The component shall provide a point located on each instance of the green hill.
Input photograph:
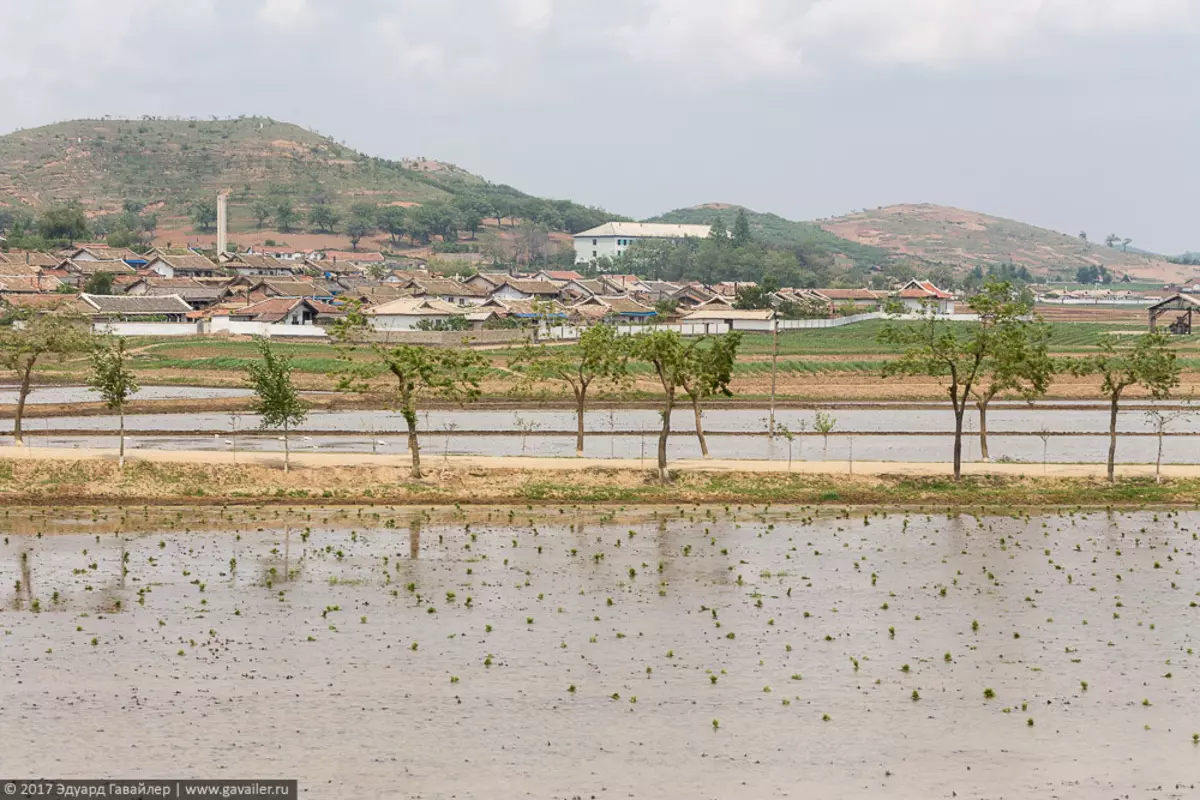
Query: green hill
(169, 164)
(774, 230)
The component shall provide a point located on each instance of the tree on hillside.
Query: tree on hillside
(28, 336)
(112, 378)
(1019, 363)
(957, 352)
(204, 215)
(1083, 237)
(285, 215)
(323, 217)
(450, 374)
(1125, 244)
(392, 220)
(360, 223)
(707, 373)
(261, 210)
(598, 356)
(1149, 363)
(741, 229)
(718, 233)
(275, 398)
(1112, 239)
(66, 222)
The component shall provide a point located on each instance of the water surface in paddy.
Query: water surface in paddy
(378, 653)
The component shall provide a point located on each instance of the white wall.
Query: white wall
(147, 328)
(267, 329)
(402, 322)
(592, 247)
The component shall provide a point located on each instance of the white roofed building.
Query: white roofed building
(612, 238)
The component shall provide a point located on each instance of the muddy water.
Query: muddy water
(379, 654)
(83, 394)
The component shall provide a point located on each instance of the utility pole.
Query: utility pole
(774, 371)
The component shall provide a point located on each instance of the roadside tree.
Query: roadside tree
(114, 380)
(597, 356)
(708, 371)
(420, 372)
(27, 336)
(1149, 363)
(958, 352)
(275, 398)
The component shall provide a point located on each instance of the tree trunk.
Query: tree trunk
(960, 410)
(700, 426)
(1112, 436)
(287, 456)
(983, 447)
(580, 400)
(1158, 459)
(664, 474)
(121, 456)
(22, 394)
(774, 374)
(414, 448)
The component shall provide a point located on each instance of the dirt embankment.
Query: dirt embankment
(65, 478)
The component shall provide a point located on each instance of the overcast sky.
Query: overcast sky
(1072, 114)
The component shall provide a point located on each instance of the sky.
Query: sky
(1070, 114)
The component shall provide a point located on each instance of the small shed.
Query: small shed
(1184, 305)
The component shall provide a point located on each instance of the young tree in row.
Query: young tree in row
(1019, 364)
(275, 398)
(677, 364)
(958, 352)
(1149, 363)
(28, 335)
(666, 352)
(707, 372)
(114, 380)
(598, 356)
(420, 372)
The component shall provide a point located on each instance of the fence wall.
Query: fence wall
(449, 338)
(147, 328)
(267, 329)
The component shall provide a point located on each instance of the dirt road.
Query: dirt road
(533, 463)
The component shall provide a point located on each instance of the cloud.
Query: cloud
(948, 32)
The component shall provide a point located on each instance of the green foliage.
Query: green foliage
(111, 376)
(30, 335)
(323, 217)
(285, 215)
(99, 283)
(261, 211)
(66, 222)
(392, 220)
(360, 223)
(275, 398)
(455, 323)
(962, 354)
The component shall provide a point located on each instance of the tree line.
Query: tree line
(1003, 354)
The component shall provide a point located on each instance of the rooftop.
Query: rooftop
(646, 230)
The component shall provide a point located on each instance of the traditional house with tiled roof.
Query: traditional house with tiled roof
(617, 308)
(110, 308)
(188, 266)
(922, 296)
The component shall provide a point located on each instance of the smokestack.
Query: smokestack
(221, 222)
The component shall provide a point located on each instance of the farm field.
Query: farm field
(819, 365)
(787, 652)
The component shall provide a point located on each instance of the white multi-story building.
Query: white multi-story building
(612, 238)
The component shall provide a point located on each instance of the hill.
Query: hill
(168, 164)
(939, 235)
(775, 230)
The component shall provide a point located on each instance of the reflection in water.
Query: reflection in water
(414, 538)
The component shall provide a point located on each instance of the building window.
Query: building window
(594, 242)
(593, 254)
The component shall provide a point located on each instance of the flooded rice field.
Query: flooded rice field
(670, 653)
(900, 433)
(83, 394)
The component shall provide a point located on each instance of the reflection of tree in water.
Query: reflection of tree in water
(277, 566)
(23, 589)
(414, 538)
